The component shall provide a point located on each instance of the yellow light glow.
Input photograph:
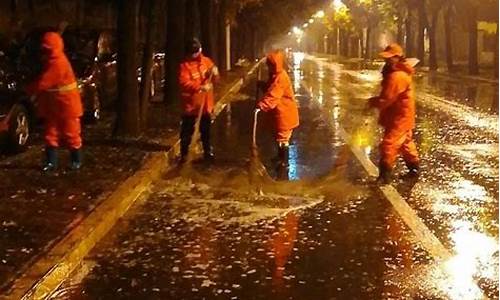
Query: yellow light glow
(338, 4)
(319, 14)
(469, 260)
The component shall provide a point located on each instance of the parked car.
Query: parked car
(93, 57)
(16, 110)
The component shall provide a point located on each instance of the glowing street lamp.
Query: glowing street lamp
(338, 4)
(311, 21)
(305, 25)
(319, 14)
(297, 31)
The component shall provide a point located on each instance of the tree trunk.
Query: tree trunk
(208, 32)
(174, 48)
(14, 5)
(473, 39)
(400, 33)
(32, 8)
(128, 117)
(368, 43)
(337, 41)
(147, 60)
(221, 32)
(448, 32)
(409, 36)
(422, 24)
(80, 12)
(433, 63)
(495, 66)
(193, 16)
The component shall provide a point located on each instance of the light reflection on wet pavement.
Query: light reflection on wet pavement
(327, 233)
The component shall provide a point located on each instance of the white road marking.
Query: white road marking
(423, 234)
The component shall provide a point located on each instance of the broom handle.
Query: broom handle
(254, 130)
(200, 112)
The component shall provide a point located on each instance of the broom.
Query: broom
(196, 133)
(256, 168)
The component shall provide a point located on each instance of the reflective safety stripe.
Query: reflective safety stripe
(65, 88)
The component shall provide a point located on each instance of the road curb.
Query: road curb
(48, 272)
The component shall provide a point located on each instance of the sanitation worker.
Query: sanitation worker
(396, 104)
(279, 100)
(59, 103)
(196, 77)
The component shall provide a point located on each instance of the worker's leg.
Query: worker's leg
(205, 124)
(187, 130)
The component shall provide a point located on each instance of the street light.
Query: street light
(311, 21)
(319, 14)
(296, 30)
(337, 4)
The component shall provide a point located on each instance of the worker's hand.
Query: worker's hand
(206, 87)
(215, 71)
(256, 111)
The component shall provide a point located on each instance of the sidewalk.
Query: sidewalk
(37, 211)
(486, 75)
(462, 74)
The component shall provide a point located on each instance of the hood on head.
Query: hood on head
(275, 62)
(53, 44)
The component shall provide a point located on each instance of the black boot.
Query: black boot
(205, 124)
(50, 163)
(385, 174)
(413, 169)
(76, 159)
(283, 155)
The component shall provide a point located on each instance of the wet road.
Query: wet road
(209, 233)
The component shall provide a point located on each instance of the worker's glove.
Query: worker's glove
(215, 71)
(206, 87)
(256, 111)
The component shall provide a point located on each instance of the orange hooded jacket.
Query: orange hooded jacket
(193, 73)
(396, 101)
(56, 88)
(279, 98)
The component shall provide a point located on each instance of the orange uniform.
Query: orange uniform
(196, 75)
(396, 104)
(193, 74)
(279, 98)
(58, 97)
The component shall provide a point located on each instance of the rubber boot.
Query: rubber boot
(283, 155)
(385, 175)
(413, 169)
(208, 155)
(205, 124)
(50, 163)
(76, 159)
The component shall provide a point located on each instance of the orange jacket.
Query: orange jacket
(193, 73)
(279, 98)
(56, 88)
(396, 101)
